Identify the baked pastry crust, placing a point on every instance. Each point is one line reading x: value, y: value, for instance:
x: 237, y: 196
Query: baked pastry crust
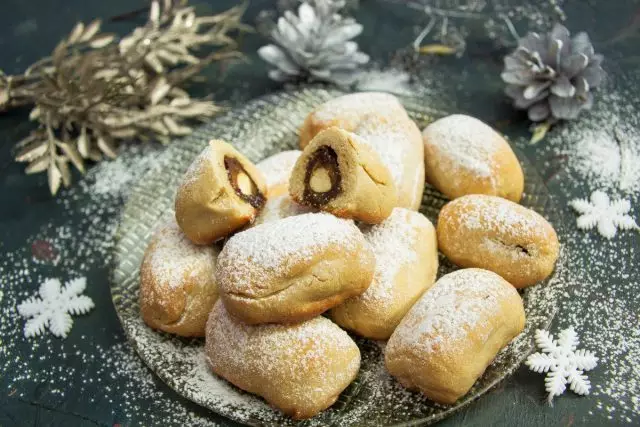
x: 221, y: 192
x: 406, y: 253
x: 466, y: 156
x: 498, y: 235
x: 337, y: 172
x: 347, y: 111
x: 454, y: 331
x: 293, y: 269
x: 300, y: 369
x: 177, y: 282
x: 399, y: 145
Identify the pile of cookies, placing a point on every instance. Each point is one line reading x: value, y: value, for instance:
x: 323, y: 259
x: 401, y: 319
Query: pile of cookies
x: 257, y: 253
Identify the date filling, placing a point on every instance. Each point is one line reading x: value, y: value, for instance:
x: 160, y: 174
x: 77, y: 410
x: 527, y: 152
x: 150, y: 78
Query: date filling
x: 322, y: 180
x: 242, y: 183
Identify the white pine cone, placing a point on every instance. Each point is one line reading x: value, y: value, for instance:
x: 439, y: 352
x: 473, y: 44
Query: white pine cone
x: 552, y: 76
x: 315, y: 44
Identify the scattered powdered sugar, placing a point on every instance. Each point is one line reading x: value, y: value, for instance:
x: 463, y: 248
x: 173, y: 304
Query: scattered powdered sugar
x: 267, y: 251
x: 603, y: 148
x: 277, y: 168
x: 393, y: 243
x: 108, y: 381
x: 459, y: 302
x: 465, y: 142
x: 173, y: 256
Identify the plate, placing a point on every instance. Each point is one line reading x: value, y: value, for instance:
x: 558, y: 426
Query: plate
x: 261, y: 128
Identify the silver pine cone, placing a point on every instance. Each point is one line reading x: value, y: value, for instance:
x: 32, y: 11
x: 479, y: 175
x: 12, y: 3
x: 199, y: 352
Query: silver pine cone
x: 315, y: 44
x: 552, y: 76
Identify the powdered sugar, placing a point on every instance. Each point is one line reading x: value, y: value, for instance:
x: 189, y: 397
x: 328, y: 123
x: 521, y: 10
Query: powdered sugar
x: 466, y: 142
x: 495, y: 213
x: 277, y: 168
x: 392, y: 147
x: 393, y: 243
x: 280, y: 207
x: 268, y: 250
x: 604, y: 148
x: 294, y: 353
x: 357, y: 105
x: 458, y: 303
x: 174, y: 256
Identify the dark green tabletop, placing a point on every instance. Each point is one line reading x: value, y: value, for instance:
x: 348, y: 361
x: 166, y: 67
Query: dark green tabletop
x: 93, y: 378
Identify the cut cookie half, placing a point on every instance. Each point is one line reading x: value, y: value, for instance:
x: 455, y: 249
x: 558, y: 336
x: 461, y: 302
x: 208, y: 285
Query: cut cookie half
x: 338, y: 173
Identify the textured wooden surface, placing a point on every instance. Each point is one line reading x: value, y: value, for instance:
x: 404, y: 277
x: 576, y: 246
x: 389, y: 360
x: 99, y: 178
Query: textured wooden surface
x: 29, y: 30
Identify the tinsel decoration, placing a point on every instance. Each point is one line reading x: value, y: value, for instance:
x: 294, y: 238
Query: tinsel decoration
x: 552, y: 75
x: 315, y: 45
x: 96, y: 90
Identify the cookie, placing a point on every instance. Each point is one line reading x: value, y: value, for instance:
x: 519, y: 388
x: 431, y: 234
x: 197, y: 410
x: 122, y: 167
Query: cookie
x: 300, y: 369
x: 406, y: 254
x: 498, y: 235
x: 293, y: 269
x: 338, y: 173
x: 177, y: 282
x: 454, y: 331
x: 221, y: 192
x: 466, y: 156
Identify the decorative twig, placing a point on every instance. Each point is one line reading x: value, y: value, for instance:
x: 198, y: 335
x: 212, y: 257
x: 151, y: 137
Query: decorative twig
x: 95, y: 90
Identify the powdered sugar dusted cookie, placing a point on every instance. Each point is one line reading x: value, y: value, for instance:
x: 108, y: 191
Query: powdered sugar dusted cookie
x: 177, y: 282
x: 453, y: 332
x: 406, y: 254
x: 293, y: 269
x: 347, y: 111
x: 498, y: 235
x: 300, y: 369
x: 465, y: 156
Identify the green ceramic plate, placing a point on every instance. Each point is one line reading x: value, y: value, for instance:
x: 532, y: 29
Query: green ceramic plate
x: 259, y: 129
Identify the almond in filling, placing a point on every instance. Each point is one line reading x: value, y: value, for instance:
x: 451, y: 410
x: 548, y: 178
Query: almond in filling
x: 242, y: 183
x: 322, y: 177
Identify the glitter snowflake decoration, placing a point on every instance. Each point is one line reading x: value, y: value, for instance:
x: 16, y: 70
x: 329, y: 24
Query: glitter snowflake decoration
x: 608, y: 216
x: 562, y: 362
x: 53, y: 309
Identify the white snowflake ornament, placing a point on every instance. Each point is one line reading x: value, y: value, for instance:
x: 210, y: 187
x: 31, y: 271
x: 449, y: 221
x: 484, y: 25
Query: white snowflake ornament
x: 53, y: 309
x: 562, y: 362
x: 607, y: 215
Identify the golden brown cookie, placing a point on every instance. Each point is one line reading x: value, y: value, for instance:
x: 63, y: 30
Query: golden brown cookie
x: 465, y: 156
x: 339, y: 173
x: 177, y: 282
x: 276, y: 171
x: 300, y: 369
x: 293, y: 269
x: 221, y: 192
x: 454, y: 331
x: 498, y: 235
x: 406, y: 254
